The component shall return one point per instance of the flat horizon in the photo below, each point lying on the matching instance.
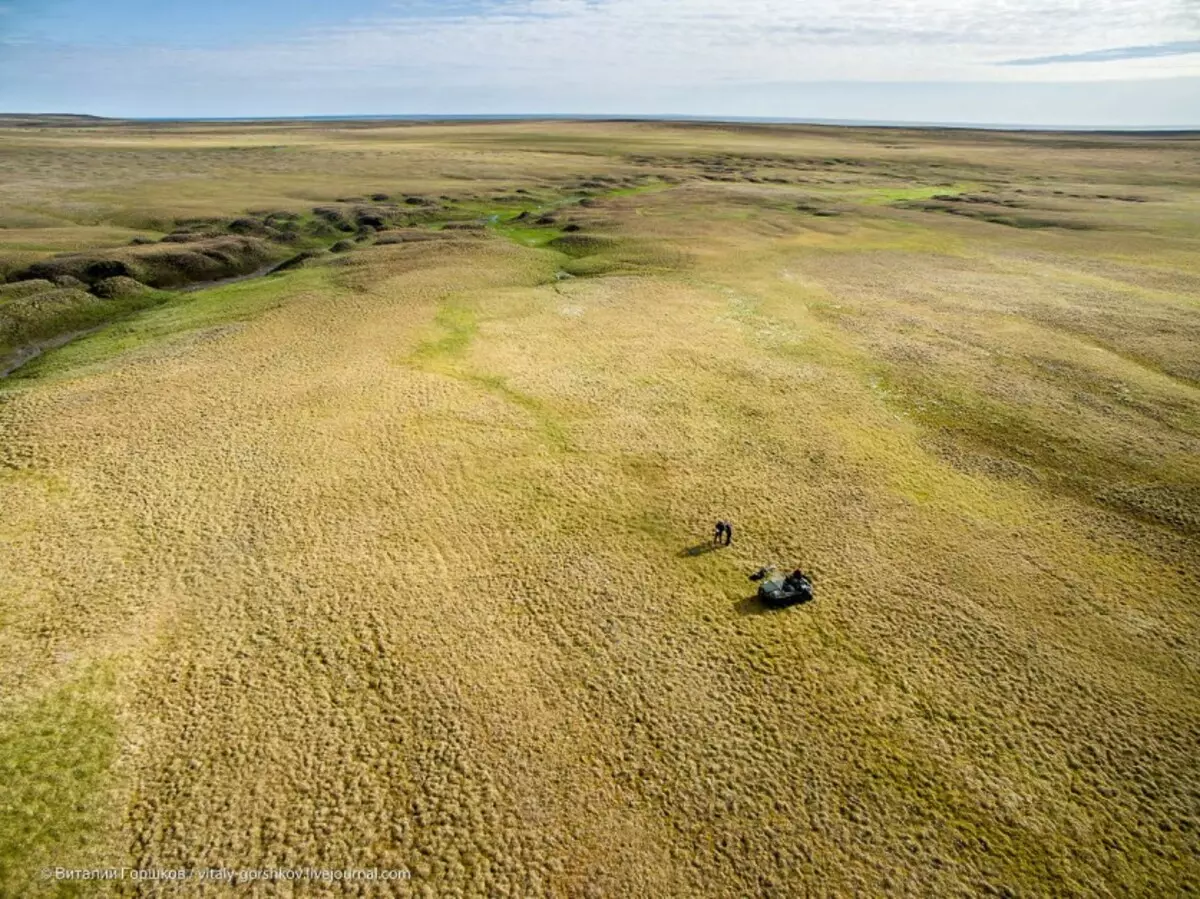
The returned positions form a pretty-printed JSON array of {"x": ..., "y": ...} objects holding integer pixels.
[{"x": 635, "y": 117}]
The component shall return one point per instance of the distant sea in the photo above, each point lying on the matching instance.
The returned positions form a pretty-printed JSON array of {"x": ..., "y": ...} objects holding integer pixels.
[{"x": 716, "y": 120}]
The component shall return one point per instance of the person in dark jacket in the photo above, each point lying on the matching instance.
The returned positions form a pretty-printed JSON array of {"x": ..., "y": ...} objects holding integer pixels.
[
  {"x": 719, "y": 535},
  {"x": 728, "y": 533}
]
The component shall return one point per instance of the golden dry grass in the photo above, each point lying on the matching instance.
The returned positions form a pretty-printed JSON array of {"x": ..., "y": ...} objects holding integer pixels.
[{"x": 384, "y": 561}]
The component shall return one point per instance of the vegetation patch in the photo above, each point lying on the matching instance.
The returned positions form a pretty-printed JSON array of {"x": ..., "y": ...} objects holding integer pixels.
[
  {"x": 901, "y": 195},
  {"x": 56, "y": 764},
  {"x": 168, "y": 316},
  {"x": 459, "y": 324}
]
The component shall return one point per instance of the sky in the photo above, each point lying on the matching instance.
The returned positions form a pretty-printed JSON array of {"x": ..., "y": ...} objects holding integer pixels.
[{"x": 1073, "y": 63}]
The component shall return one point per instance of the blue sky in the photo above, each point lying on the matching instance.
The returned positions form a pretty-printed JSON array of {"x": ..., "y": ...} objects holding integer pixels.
[{"x": 1035, "y": 62}]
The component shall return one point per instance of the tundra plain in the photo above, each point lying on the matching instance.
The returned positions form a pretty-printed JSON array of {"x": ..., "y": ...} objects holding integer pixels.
[{"x": 397, "y": 557}]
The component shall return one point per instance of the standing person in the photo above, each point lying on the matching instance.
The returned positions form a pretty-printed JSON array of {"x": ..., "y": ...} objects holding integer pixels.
[
  {"x": 720, "y": 533},
  {"x": 728, "y": 533}
]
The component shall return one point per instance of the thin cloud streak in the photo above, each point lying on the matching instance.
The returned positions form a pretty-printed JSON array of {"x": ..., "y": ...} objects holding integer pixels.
[{"x": 1149, "y": 51}]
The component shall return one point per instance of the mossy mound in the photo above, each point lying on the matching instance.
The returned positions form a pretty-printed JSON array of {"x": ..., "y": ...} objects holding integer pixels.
[
  {"x": 22, "y": 289},
  {"x": 119, "y": 288},
  {"x": 164, "y": 266},
  {"x": 582, "y": 244},
  {"x": 45, "y": 314},
  {"x": 410, "y": 235}
]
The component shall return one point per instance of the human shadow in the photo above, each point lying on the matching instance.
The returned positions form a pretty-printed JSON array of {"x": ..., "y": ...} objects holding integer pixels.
[
  {"x": 699, "y": 549},
  {"x": 753, "y": 605}
]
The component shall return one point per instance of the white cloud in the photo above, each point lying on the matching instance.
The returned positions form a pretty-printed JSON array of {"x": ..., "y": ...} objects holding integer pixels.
[
  {"x": 642, "y": 55},
  {"x": 706, "y": 41}
]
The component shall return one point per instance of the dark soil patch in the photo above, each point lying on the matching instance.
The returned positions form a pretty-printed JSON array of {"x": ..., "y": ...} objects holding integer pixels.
[
  {"x": 1174, "y": 506},
  {"x": 188, "y": 237},
  {"x": 985, "y": 199},
  {"x": 103, "y": 269},
  {"x": 335, "y": 215},
  {"x": 300, "y": 259},
  {"x": 812, "y": 208},
  {"x": 248, "y": 226},
  {"x": 989, "y": 209},
  {"x": 272, "y": 215}
]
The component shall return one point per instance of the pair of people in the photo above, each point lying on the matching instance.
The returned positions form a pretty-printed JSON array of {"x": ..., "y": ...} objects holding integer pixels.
[
  {"x": 724, "y": 533},
  {"x": 797, "y": 579}
]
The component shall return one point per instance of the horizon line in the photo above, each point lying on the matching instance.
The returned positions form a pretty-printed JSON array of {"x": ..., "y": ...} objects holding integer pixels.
[{"x": 619, "y": 117}]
